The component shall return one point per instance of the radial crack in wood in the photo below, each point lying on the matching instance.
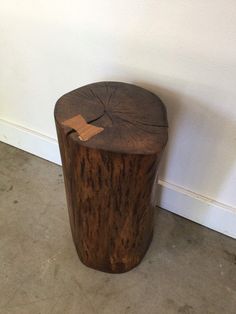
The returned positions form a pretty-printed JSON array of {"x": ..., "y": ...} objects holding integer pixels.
[{"x": 109, "y": 178}]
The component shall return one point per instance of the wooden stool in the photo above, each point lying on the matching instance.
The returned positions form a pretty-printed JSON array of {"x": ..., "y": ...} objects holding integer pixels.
[{"x": 111, "y": 138}]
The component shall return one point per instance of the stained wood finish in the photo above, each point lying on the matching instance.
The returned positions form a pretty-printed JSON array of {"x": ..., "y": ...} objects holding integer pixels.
[{"x": 109, "y": 178}]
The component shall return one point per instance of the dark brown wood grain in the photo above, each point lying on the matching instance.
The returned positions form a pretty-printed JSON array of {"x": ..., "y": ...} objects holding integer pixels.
[{"x": 109, "y": 178}]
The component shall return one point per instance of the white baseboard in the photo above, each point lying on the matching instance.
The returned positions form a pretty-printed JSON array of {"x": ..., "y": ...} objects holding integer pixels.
[
  {"x": 29, "y": 140},
  {"x": 198, "y": 208}
]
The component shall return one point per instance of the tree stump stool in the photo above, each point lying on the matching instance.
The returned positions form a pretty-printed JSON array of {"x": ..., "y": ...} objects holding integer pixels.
[{"x": 111, "y": 138}]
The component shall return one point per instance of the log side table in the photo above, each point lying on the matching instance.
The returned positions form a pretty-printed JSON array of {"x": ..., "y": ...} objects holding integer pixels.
[{"x": 111, "y": 138}]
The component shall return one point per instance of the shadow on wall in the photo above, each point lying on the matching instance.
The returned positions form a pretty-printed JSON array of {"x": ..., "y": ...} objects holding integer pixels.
[
  {"x": 200, "y": 153},
  {"x": 201, "y": 150}
]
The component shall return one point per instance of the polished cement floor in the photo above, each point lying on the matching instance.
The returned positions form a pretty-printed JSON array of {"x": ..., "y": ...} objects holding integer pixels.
[{"x": 188, "y": 269}]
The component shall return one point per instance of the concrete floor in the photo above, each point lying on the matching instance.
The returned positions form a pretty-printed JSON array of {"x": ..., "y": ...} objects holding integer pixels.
[{"x": 188, "y": 268}]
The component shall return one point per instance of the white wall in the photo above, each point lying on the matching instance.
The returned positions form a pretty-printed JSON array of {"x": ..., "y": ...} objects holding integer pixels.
[{"x": 183, "y": 50}]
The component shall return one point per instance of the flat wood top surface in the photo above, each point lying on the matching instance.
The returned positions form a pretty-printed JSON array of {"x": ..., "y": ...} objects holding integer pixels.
[{"x": 134, "y": 119}]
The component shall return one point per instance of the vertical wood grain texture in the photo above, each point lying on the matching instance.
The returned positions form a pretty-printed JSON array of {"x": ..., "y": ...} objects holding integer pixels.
[{"x": 109, "y": 198}]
